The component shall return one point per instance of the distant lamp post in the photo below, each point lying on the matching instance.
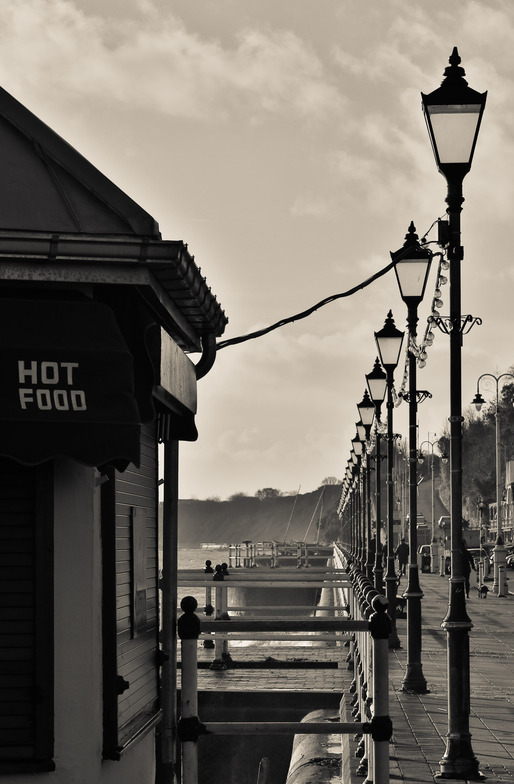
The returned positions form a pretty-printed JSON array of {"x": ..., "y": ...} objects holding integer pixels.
[
  {"x": 433, "y": 544},
  {"x": 453, "y": 115},
  {"x": 377, "y": 385},
  {"x": 389, "y": 344},
  {"x": 412, "y": 269},
  {"x": 499, "y": 553},
  {"x": 366, "y": 411},
  {"x": 357, "y": 450}
]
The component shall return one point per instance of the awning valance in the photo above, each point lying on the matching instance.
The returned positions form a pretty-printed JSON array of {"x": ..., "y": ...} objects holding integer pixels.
[{"x": 67, "y": 384}]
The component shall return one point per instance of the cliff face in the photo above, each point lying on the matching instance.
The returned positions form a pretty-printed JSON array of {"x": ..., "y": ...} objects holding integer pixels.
[{"x": 283, "y": 518}]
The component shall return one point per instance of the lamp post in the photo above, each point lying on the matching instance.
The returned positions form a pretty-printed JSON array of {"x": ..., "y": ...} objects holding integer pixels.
[
  {"x": 453, "y": 113},
  {"x": 434, "y": 554},
  {"x": 377, "y": 385},
  {"x": 412, "y": 269},
  {"x": 358, "y": 450},
  {"x": 389, "y": 344},
  {"x": 499, "y": 552},
  {"x": 366, "y": 411}
]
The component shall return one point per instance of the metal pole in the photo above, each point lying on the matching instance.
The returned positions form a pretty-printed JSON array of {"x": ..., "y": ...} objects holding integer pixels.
[
  {"x": 414, "y": 680},
  {"x": 391, "y": 578},
  {"x": 497, "y": 587},
  {"x": 458, "y": 759},
  {"x": 367, "y": 474},
  {"x": 378, "y": 570}
]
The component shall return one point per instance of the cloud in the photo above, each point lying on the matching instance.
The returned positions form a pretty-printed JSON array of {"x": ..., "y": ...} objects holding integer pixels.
[
  {"x": 156, "y": 63},
  {"x": 309, "y": 206}
]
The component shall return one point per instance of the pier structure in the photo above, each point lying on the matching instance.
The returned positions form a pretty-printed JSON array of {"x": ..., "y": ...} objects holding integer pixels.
[
  {"x": 326, "y": 626},
  {"x": 322, "y": 681}
]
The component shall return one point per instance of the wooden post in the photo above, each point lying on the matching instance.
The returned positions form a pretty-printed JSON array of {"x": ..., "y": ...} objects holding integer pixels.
[{"x": 168, "y": 741}]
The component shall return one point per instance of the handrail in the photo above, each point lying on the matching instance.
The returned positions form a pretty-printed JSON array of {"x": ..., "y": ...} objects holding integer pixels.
[{"x": 370, "y": 627}]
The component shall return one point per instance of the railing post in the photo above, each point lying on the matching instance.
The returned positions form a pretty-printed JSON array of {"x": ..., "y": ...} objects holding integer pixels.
[
  {"x": 381, "y": 726},
  {"x": 209, "y": 609},
  {"x": 189, "y": 725}
]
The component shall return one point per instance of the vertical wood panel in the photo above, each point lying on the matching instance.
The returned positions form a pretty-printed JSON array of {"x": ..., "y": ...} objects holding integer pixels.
[
  {"x": 131, "y": 612},
  {"x": 26, "y": 618}
]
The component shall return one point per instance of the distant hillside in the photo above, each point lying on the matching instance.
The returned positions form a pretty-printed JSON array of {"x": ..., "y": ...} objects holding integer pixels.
[{"x": 227, "y": 522}]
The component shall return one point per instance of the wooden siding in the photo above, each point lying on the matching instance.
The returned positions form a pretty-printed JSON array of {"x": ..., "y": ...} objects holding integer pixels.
[
  {"x": 131, "y": 630},
  {"x": 26, "y": 618}
]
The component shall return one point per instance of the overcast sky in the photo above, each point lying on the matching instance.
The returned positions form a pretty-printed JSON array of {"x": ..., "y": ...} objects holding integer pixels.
[{"x": 285, "y": 143}]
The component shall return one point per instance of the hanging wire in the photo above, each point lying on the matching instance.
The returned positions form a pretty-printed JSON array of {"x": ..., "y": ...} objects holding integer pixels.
[
  {"x": 305, "y": 313},
  {"x": 259, "y": 333}
]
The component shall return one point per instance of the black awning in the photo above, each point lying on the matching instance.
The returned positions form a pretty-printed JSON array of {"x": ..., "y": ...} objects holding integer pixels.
[{"x": 66, "y": 384}]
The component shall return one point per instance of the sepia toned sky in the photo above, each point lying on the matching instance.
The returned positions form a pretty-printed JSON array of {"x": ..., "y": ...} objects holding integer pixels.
[{"x": 285, "y": 143}]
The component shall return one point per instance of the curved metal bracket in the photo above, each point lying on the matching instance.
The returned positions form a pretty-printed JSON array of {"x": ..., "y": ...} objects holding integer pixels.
[
  {"x": 445, "y": 323},
  {"x": 421, "y": 395}
]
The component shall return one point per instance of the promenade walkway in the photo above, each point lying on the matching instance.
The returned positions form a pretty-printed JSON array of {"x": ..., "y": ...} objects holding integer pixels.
[{"x": 419, "y": 721}]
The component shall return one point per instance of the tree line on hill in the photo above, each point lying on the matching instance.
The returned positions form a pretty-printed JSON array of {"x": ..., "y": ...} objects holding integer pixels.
[{"x": 266, "y": 516}]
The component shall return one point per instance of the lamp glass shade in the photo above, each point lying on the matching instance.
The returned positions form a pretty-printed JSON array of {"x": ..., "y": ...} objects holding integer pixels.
[
  {"x": 453, "y": 114},
  {"x": 366, "y": 409},
  {"x": 478, "y": 401},
  {"x": 412, "y": 267},
  {"x": 361, "y": 431},
  {"x": 357, "y": 446},
  {"x": 389, "y": 343},
  {"x": 377, "y": 383},
  {"x": 454, "y": 130},
  {"x": 412, "y": 275}
]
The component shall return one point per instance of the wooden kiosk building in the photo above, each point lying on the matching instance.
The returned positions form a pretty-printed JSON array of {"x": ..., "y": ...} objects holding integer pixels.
[{"x": 98, "y": 315}]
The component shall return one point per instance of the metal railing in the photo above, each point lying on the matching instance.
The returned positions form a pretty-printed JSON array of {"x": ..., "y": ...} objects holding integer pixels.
[{"x": 369, "y": 627}]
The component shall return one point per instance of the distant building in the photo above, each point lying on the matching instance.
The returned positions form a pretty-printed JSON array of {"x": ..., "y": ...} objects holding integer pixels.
[
  {"x": 97, "y": 313},
  {"x": 507, "y": 508}
]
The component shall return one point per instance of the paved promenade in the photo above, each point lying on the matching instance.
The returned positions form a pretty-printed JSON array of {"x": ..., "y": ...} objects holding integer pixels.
[{"x": 419, "y": 721}]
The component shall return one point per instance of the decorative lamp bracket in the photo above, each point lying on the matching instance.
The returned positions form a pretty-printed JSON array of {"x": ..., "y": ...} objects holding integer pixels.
[
  {"x": 446, "y": 324},
  {"x": 421, "y": 395}
]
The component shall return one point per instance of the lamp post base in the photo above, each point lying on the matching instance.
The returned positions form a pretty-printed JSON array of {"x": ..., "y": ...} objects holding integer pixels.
[
  {"x": 458, "y": 761},
  {"x": 391, "y": 589},
  {"x": 414, "y": 681}
]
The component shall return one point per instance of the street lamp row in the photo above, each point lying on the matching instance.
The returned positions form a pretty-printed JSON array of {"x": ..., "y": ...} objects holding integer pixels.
[{"x": 453, "y": 114}]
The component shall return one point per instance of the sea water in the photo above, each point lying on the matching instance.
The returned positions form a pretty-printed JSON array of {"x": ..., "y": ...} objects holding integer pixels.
[{"x": 195, "y": 557}]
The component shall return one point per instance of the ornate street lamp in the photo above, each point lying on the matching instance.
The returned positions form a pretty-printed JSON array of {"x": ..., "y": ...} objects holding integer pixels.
[
  {"x": 389, "y": 344},
  {"x": 377, "y": 385},
  {"x": 358, "y": 450},
  {"x": 499, "y": 552},
  {"x": 412, "y": 269},
  {"x": 366, "y": 411},
  {"x": 453, "y": 114},
  {"x": 433, "y": 543}
]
